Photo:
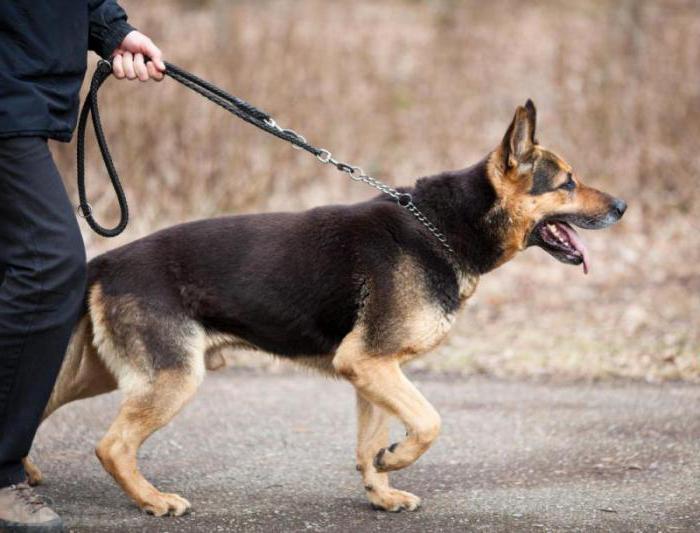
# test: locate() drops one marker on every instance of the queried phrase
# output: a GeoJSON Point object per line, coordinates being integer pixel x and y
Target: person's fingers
{"type": "Point", "coordinates": [118, 67]}
{"type": "Point", "coordinates": [153, 72]}
{"type": "Point", "coordinates": [155, 54]}
{"type": "Point", "coordinates": [140, 67]}
{"type": "Point", "coordinates": [128, 60]}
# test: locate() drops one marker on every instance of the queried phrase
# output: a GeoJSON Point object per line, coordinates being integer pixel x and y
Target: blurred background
{"type": "Point", "coordinates": [411, 88]}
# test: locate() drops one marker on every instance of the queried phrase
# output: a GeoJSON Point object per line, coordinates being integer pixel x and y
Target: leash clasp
{"type": "Point", "coordinates": [104, 66]}
{"type": "Point", "coordinates": [83, 211]}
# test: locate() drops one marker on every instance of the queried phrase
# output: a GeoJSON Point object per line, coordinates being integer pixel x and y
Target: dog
{"type": "Point", "coordinates": [354, 291]}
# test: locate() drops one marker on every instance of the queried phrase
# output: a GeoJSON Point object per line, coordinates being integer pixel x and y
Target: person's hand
{"type": "Point", "coordinates": [128, 59]}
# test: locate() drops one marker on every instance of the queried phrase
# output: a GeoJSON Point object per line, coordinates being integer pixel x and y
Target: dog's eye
{"type": "Point", "coordinates": [569, 184]}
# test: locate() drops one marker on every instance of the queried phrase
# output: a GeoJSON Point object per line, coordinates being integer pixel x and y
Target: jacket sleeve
{"type": "Point", "coordinates": [108, 26]}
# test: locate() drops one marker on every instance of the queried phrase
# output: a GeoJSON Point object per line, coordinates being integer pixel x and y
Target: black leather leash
{"type": "Point", "coordinates": [238, 107]}
{"type": "Point", "coordinates": [242, 110]}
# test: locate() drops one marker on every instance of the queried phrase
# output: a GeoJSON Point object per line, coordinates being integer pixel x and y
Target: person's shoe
{"type": "Point", "coordinates": [22, 509]}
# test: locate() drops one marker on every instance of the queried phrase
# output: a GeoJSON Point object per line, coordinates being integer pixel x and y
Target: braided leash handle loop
{"type": "Point", "coordinates": [104, 69]}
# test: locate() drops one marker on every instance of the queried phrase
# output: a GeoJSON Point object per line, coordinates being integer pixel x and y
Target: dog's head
{"type": "Point", "coordinates": [542, 196]}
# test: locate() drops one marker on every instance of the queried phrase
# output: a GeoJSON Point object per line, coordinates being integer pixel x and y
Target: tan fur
{"type": "Point", "coordinates": [34, 476]}
{"type": "Point", "coordinates": [384, 391]}
{"type": "Point", "coordinates": [215, 344]}
{"type": "Point", "coordinates": [379, 381]}
{"type": "Point", "coordinates": [130, 375]}
{"type": "Point", "coordinates": [419, 324]}
{"type": "Point", "coordinates": [141, 414]}
{"type": "Point", "coordinates": [319, 363]}
{"type": "Point", "coordinates": [83, 374]}
{"type": "Point", "coordinates": [130, 361]}
{"type": "Point", "coordinates": [525, 210]}
{"type": "Point", "coordinates": [372, 436]}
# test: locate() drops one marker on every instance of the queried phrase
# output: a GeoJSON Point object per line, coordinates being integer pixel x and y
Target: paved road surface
{"type": "Point", "coordinates": [275, 453]}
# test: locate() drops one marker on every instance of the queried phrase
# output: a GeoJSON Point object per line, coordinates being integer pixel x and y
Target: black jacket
{"type": "Point", "coordinates": [43, 49]}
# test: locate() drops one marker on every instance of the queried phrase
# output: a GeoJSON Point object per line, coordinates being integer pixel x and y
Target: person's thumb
{"type": "Point", "coordinates": [156, 56]}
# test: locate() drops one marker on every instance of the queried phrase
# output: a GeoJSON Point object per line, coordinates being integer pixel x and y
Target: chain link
{"type": "Point", "coordinates": [403, 199]}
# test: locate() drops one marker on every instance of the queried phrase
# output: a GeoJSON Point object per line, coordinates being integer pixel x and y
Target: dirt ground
{"type": "Point", "coordinates": [275, 452]}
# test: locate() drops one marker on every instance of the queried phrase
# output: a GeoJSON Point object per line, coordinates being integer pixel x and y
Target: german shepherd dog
{"type": "Point", "coordinates": [352, 290]}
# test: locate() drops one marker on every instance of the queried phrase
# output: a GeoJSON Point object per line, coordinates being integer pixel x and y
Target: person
{"type": "Point", "coordinates": [43, 49]}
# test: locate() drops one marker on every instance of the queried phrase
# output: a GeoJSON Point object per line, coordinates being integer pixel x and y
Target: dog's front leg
{"type": "Point", "coordinates": [380, 383]}
{"type": "Point", "coordinates": [373, 435]}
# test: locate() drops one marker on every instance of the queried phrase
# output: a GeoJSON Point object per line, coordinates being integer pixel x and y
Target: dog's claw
{"type": "Point", "coordinates": [376, 507]}
{"type": "Point", "coordinates": [167, 505]}
{"type": "Point", "coordinates": [378, 461]}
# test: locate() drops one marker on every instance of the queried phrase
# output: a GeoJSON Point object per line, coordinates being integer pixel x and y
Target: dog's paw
{"type": "Point", "coordinates": [382, 461]}
{"type": "Point", "coordinates": [393, 500]}
{"type": "Point", "coordinates": [163, 503]}
{"type": "Point", "coordinates": [34, 475]}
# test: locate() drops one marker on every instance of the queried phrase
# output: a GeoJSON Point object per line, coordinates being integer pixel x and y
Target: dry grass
{"type": "Point", "coordinates": [408, 88]}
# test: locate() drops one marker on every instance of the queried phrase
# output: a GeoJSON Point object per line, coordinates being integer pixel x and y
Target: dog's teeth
{"type": "Point", "coordinates": [555, 231]}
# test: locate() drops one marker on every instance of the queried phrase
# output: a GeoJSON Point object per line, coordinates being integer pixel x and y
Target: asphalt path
{"type": "Point", "coordinates": [275, 452]}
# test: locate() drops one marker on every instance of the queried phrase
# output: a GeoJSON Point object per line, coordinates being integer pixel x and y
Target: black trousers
{"type": "Point", "coordinates": [42, 264]}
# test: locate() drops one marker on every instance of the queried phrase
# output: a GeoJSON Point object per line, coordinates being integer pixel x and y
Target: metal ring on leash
{"type": "Point", "coordinates": [83, 211]}
{"type": "Point", "coordinates": [324, 156]}
{"type": "Point", "coordinates": [404, 199]}
{"type": "Point", "coordinates": [357, 174]}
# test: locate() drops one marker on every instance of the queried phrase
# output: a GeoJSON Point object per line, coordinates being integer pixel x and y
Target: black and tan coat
{"type": "Point", "coordinates": [353, 290]}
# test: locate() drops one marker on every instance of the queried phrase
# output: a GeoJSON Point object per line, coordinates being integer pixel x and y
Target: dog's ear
{"type": "Point", "coordinates": [520, 137]}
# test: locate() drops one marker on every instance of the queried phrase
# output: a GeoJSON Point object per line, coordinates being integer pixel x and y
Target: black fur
{"type": "Point", "coordinates": [462, 203]}
{"type": "Point", "coordinates": [543, 176]}
{"type": "Point", "coordinates": [292, 283]}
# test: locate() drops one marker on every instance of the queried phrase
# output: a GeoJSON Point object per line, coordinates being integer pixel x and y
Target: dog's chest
{"type": "Point", "coordinates": [427, 322]}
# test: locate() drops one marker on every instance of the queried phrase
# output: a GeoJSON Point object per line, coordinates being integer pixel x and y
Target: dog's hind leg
{"type": "Point", "coordinates": [373, 435]}
{"type": "Point", "coordinates": [143, 411]}
{"type": "Point", "coordinates": [157, 356]}
{"type": "Point", "coordinates": [82, 375]}
{"type": "Point", "coordinates": [34, 475]}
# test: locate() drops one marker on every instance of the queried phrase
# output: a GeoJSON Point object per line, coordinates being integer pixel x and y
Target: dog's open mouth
{"type": "Point", "coordinates": [563, 242]}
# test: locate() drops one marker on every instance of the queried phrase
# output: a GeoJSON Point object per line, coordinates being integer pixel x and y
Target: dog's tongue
{"type": "Point", "coordinates": [577, 242]}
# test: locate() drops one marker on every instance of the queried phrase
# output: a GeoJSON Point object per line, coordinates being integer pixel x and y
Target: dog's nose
{"type": "Point", "coordinates": [619, 206]}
